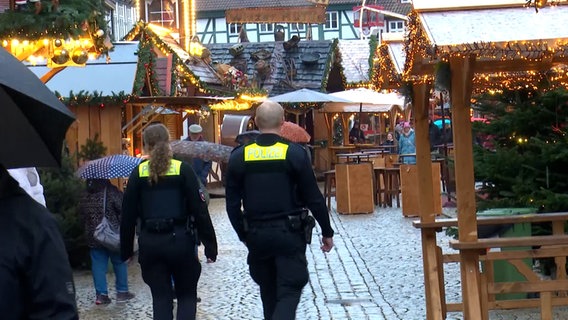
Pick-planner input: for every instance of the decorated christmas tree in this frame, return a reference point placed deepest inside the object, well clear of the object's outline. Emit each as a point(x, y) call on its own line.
point(521, 154)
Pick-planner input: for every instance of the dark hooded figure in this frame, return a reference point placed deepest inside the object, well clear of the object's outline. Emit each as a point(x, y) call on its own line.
point(36, 280)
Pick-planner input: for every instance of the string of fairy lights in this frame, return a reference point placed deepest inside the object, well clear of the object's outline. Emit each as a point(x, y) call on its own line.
point(420, 52)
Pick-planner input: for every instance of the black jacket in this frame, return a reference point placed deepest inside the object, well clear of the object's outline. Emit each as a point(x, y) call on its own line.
point(174, 196)
point(272, 187)
point(36, 280)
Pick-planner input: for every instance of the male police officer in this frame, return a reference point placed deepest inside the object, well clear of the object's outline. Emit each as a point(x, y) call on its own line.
point(274, 181)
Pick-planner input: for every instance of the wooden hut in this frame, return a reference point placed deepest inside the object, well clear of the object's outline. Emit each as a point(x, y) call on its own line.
point(489, 44)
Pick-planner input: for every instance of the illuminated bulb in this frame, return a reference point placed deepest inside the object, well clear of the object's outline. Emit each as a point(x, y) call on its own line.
point(4, 43)
point(100, 33)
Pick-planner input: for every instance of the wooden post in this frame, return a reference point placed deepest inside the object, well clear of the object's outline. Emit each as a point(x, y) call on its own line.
point(432, 284)
point(462, 69)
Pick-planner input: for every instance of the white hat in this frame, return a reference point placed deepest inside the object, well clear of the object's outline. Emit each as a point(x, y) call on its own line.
point(195, 128)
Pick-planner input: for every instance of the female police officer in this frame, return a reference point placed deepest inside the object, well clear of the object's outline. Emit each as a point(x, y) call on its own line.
point(164, 194)
point(273, 180)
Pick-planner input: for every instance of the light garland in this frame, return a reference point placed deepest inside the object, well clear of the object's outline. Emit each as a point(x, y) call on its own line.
point(419, 52)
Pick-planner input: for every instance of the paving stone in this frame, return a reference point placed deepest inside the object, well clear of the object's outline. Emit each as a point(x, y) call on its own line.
point(374, 272)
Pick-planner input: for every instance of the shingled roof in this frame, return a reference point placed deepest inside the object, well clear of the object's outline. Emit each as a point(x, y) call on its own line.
point(288, 70)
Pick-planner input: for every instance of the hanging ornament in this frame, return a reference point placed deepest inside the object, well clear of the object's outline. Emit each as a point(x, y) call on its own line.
point(100, 33)
point(80, 56)
point(58, 43)
point(60, 56)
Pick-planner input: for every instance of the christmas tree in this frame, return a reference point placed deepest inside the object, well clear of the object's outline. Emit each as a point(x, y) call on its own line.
point(522, 151)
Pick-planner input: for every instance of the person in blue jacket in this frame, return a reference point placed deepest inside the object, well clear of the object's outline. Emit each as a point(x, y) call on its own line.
point(407, 145)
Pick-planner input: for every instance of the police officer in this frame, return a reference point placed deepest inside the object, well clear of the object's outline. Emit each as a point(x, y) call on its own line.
point(164, 194)
point(273, 180)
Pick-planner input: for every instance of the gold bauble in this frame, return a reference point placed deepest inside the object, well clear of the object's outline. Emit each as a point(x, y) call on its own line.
point(60, 56)
point(80, 56)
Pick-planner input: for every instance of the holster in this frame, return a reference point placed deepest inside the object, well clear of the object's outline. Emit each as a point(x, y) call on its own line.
point(309, 224)
point(191, 229)
point(303, 223)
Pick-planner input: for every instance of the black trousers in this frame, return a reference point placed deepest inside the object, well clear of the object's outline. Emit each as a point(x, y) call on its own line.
point(168, 256)
point(277, 263)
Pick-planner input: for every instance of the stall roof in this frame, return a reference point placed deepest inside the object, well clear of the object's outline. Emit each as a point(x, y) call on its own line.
point(496, 25)
point(390, 58)
point(355, 60)
point(508, 38)
point(115, 76)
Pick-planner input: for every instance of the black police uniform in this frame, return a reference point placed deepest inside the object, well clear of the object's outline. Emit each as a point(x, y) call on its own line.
point(167, 241)
point(36, 280)
point(274, 181)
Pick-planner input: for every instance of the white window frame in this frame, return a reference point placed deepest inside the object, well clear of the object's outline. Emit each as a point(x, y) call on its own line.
point(266, 28)
point(233, 29)
point(298, 27)
point(394, 26)
point(331, 18)
point(405, 1)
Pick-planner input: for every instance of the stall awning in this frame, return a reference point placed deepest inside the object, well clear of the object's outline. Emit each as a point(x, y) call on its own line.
point(365, 100)
point(356, 107)
point(98, 75)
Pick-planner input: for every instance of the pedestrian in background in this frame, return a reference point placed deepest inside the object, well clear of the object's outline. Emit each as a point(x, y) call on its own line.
point(36, 280)
point(164, 193)
point(407, 145)
point(200, 166)
point(273, 180)
point(434, 134)
point(102, 198)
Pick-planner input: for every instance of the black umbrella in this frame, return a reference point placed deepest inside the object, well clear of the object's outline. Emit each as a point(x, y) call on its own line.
point(33, 121)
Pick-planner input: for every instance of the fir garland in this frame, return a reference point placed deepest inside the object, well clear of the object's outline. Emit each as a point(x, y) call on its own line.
point(65, 19)
point(84, 98)
point(373, 44)
point(145, 67)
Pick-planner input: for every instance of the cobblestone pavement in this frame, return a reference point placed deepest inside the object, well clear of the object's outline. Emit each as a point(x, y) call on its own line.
point(374, 272)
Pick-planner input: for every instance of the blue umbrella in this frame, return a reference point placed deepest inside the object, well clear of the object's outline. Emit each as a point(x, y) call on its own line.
point(438, 122)
point(109, 167)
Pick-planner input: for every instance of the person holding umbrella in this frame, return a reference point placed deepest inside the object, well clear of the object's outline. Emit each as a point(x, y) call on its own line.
point(164, 194)
point(36, 279)
point(104, 199)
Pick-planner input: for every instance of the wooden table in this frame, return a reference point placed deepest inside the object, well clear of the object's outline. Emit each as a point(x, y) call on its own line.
point(355, 157)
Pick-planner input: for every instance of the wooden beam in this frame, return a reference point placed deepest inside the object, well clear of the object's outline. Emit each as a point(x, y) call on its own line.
point(462, 69)
point(433, 285)
point(305, 14)
point(50, 74)
point(426, 66)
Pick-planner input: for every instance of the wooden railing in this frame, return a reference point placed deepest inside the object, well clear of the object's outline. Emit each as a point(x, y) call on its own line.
point(550, 292)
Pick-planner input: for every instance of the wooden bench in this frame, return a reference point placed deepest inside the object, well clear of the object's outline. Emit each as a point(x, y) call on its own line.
point(552, 292)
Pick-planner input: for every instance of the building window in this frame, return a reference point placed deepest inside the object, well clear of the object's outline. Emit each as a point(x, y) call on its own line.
point(297, 27)
point(234, 29)
point(405, 1)
point(396, 26)
point(331, 20)
point(266, 28)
